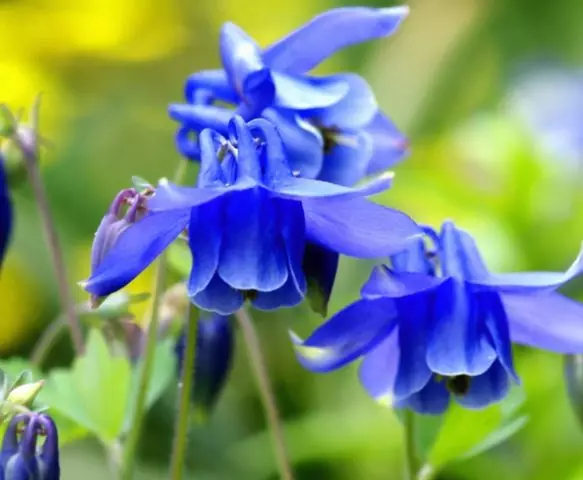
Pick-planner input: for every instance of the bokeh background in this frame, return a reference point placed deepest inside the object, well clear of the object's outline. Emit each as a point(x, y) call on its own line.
point(490, 95)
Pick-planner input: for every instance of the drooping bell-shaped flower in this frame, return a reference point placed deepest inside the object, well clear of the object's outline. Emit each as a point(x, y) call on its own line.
point(24, 456)
point(331, 126)
point(249, 221)
point(428, 334)
point(214, 353)
point(5, 213)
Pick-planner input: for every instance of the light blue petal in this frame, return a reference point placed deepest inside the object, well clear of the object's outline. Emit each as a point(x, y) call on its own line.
point(533, 282)
point(390, 146)
point(357, 227)
point(307, 93)
point(134, 250)
point(349, 334)
point(253, 255)
point(415, 258)
point(458, 342)
point(459, 255)
point(218, 297)
point(486, 389)
point(548, 321)
point(433, 399)
point(346, 158)
point(213, 81)
point(309, 45)
point(199, 117)
point(384, 282)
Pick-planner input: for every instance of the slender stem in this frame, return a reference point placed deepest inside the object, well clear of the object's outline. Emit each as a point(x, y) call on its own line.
point(31, 156)
point(47, 340)
point(186, 382)
point(427, 472)
point(411, 461)
point(266, 392)
point(139, 406)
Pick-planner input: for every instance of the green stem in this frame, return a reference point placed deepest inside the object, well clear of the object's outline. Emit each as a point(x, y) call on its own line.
point(427, 472)
point(47, 340)
point(265, 391)
point(139, 406)
point(411, 461)
point(186, 383)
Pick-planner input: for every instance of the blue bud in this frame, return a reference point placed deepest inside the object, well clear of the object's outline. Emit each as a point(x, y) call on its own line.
point(23, 455)
point(214, 352)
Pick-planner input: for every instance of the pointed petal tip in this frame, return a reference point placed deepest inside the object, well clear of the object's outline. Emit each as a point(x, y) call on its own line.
point(400, 12)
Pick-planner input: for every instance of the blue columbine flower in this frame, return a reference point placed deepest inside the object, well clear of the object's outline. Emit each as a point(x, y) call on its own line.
point(426, 336)
point(331, 126)
point(5, 212)
point(214, 354)
point(22, 457)
point(248, 224)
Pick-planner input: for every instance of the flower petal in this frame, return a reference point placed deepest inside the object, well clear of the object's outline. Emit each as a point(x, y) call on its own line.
point(186, 141)
point(5, 213)
point(346, 159)
point(414, 259)
point(433, 399)
point(487, 388)
point(458, 343)
point(218, 297)
point(214, 81)
point(549, 321)
point(533, 282)
point(309, 45)
point(307, 93)
point(390, 146)
point(288, 295)
point(347, 335)
point(135, 249)
point(199, 117)
point(293, 232)
point(320, 266)
point(384, 282)
point(357, 227)
point(459, 255)
point(253, 254)
point(378, 369)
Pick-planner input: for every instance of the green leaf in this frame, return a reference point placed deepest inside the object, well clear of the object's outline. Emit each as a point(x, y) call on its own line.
point(179, 258)
point(427, 429)
point(497, 437)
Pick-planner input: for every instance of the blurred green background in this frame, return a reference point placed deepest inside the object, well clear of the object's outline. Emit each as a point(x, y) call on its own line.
point(108, 70)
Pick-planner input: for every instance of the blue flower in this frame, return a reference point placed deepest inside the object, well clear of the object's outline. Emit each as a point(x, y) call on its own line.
point(428, 336)
point(22, 457)
point(5, 212)
point(331, 126)
point(214, 353)
point(248, 223)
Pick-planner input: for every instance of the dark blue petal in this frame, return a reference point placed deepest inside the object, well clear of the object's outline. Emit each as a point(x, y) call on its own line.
point(490, 387)
point(205, 233)
point(219, 297)
point(288, 295)
point(5, 213)
point(390, 146)
point(354, 111)
point(248, 166)
point(213, 81)
point(198, 117)
point(320, 266)
point(246, 72)
point(187, 143)
point(49, 454)
point(210, 174)
point(303, 142)
point(415, 258)
point(433, 399)
point(549, 321)
point(533, 282)
point(306, 47)
point(307, 93)
point(349, 334)
point(378, 369)
point(346, 160)
point(459, 255)
point(135, 249)
point(384, 282)
point(357, 227)
point(253, 253)
point(458, 343)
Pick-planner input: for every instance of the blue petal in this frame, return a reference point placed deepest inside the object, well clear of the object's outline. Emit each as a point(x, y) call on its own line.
point(357, 227)
point(533, 282)
point(320, 266)
point(549, 321)
point(390, 146)
point(307, 93)
point(303, 142)
point(210, 174)
point(378, 370)
point(459, 256)
point(384, 282)
point(205, 233)
point(490, 387)
point(187, 143)
point(354, 111)
point(245, 69)
point(253, 254)
point(458, 342)
point(306, 47)
point(214, 81)
point(218, 297)
point(199, 117)
point(135, 249)
point(349, 334)
point(433, 399)
point(248, 166)
point(288, 295)
point(346, 160)
point(415, 258)
point(5, 213)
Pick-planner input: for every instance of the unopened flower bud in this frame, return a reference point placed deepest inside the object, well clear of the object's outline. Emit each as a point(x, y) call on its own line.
point(25, 394)
point(214, 352)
